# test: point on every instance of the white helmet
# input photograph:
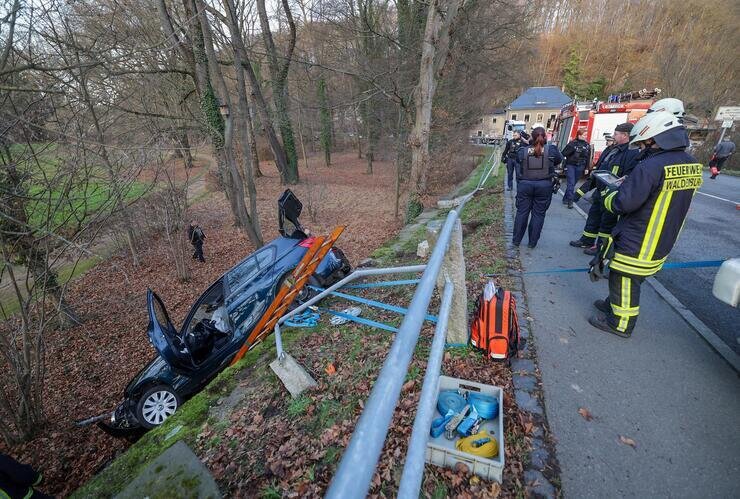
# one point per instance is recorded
(538, 125)
(669, 104)
(657, 123)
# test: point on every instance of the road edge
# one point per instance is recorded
(714, 341)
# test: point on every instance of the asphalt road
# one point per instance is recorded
(711, 232)
(661, 405)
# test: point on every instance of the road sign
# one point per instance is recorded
(727, 124)
(731, 113)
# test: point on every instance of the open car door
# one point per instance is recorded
(164, 336)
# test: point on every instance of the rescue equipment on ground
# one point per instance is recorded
(338, 320)
(463, 413)
(470, 424)
(485, 406)
(450, 400)
(495, 327)
(452, 425)
(308, 318)
(481, 444)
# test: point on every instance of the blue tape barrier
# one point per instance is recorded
(361, 320)
(374, 303)
(669, 265)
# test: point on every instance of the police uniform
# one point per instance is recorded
(534, 191)
(510, 157)
(652, 205)
(577, 154)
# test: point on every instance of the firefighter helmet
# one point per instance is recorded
(669, 104)
(663, 127)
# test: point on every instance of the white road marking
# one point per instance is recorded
(717, 197)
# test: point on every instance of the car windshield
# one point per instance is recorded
(243, 273)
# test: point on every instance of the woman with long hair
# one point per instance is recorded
(535, 177)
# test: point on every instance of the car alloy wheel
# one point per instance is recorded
(156, 405)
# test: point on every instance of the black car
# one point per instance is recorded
(216, 327)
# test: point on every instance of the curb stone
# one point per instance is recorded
(542, 466)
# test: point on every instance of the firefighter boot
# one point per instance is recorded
(602, 306)
(600, 322)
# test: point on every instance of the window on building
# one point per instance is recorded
(526, 118)
(480, 133)
(481, 120)
(513, 117)
(494, 121)
(539, 117)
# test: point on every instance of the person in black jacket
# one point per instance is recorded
(18, 480)
(196, 238)
(652, 204)
(619, 162)
(577, 154)
(509, 157)
(534, 186)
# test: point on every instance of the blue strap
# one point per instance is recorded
(669, 265)
(304, 319)
(376, 304)
(438, 425)
(382, 284)
(360, 320)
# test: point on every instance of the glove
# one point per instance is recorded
(555, 185)
(599, 264)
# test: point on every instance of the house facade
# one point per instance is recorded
(537, 105)
(490, 125)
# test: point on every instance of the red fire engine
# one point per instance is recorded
(597, 118)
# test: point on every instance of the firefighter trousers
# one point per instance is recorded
(624, 300)
(593, 222)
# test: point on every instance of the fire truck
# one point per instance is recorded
(599, 118)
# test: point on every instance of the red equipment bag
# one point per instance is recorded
(495, 327)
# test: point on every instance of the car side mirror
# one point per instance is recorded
(727, 282)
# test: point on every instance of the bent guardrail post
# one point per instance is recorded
(360, 459)
(413, 468)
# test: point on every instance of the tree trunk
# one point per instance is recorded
(440, 17)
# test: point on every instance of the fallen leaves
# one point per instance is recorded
(628, 441)
(585, 413)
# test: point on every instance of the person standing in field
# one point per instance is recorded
(196, 238)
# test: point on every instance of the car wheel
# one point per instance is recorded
(156, 405)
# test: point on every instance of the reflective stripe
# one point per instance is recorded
(638, 261)
(590, 234)
(655, 225)
(579, 191)
(615, 169)
(624, 311)
(608, 201)
(604, 234)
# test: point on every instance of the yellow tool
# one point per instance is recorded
(481, 444)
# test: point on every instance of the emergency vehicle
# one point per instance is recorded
(599, 118)
(511, 126)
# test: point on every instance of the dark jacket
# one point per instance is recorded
(618, 160)
(577, 152)
(552, 153)
(652, 203)
(195, 234)
(724, 149)
(16, 479)
(512, 148)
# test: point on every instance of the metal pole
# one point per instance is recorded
(360, 459)
(413, 468)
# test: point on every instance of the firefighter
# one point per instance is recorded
(509, 157)
(670, 105)
(18, 480)
(534, 181)
(619, 163)
(577, 155)
(652, 204)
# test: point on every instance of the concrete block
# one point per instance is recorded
(527, 402)
(422, 249)
(524, 365)
(292, 374)
(177, 472)
(539, 455)
(526, 383)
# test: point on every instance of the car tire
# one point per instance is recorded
(156, 405)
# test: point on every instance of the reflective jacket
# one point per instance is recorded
(512, 148)
(618, 160)
(652, 203)
(16, 479)
(577, 152)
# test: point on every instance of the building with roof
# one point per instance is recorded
(490, 125)
(537, 105)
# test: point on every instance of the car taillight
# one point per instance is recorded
(306, 243)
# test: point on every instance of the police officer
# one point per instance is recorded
(577, 155)
(509, 156)
(534, 181)
(619, 161)
(652, 204)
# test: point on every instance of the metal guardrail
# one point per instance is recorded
(360, 459)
